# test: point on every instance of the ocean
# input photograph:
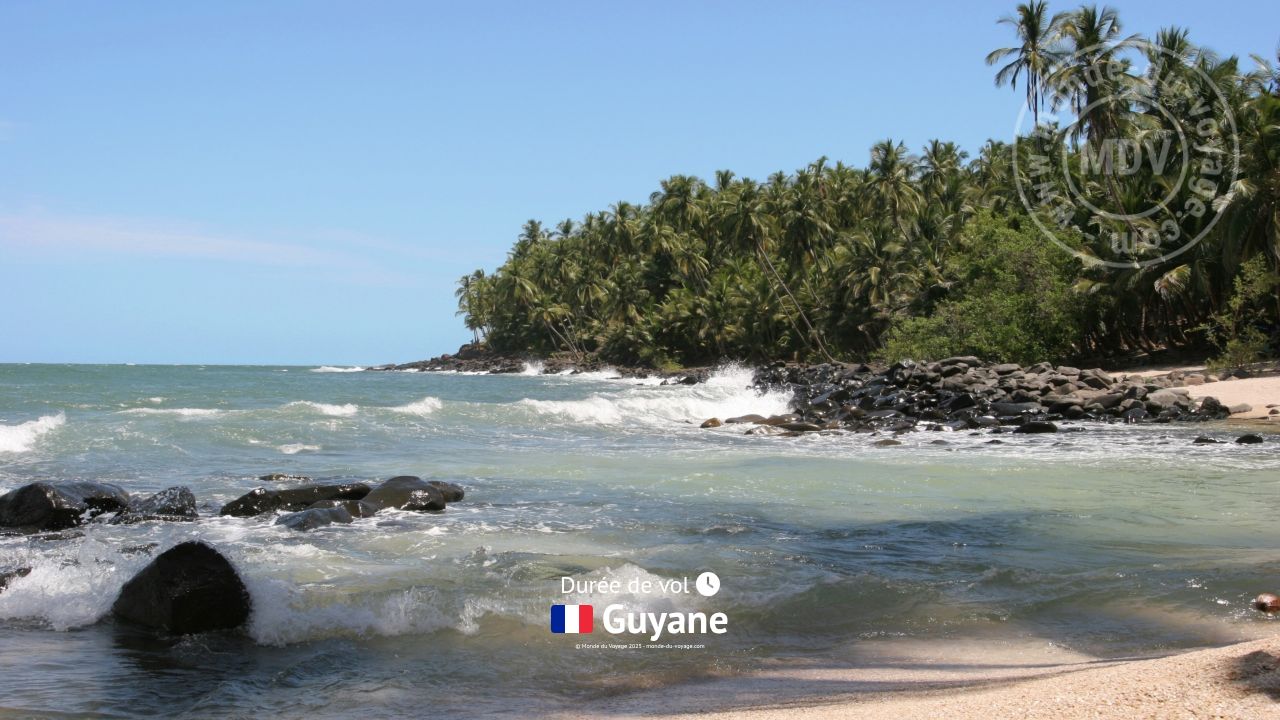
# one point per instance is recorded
(1110, 540)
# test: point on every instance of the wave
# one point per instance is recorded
(332, 369)
(728, 392)
(326, 408)
(20, 438)
(295, 448)
(423, 407)
(181, 412)
(533, 367)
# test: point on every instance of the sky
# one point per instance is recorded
(303, 182)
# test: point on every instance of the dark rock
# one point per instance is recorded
(406, 492)
(887, 442)
(1267, 602)
(1004, 408)
(175, 504)
(356, 508)
(711, 423)
(1006, 368)
(800, 426)
(316, 517)
(1036, 426)
(262, 500)
(452, 491)
(9, 574)
(1250, 439)
(189, 588)
(58, 505)
(1205, 440)
(753, 418)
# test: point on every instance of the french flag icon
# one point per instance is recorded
(571, 619)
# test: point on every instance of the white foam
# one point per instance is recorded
(422, 408)
(332, 369)
(20, 438)
(532, 368)
(295, 448)
(284, 613)
(181, 412)
(326, 408)
(728, 392)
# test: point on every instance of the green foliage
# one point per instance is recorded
(1016, 300)
(1234, 330)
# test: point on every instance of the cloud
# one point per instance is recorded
(42, 233)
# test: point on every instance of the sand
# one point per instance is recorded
(1258, 392)
(1236, 681)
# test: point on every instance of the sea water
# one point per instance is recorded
(1111, 540)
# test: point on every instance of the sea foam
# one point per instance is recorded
(21, 438)
(423, 407)
(326, 408)
(332, 369)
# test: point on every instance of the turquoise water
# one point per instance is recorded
(1112, 540)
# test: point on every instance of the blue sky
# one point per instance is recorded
(302, 182)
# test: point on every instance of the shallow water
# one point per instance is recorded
(1112, 540)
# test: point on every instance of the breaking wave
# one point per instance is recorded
(332, 369)
(326, 408)
(423, 407)
(181, 412)
(21, 438)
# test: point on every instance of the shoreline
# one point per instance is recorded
(1238, 680)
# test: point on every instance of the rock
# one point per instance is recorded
(711, 423)
(1267, 602)
(1005, 408)
(283, 477)
(800, 427)
(1204, 440)
(752, 418)
(1240, 408)
(406, 492)
(1006, 368)
(175, 504)
(58, 505)
(316, 517)
(189, 588)
(1036, 426)
(1249, 439)
(969, 360)
(452, 492)
(262, 500)
(9, 574)
(887, 442)
(356, 508)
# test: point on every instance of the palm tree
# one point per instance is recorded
(1034, 57)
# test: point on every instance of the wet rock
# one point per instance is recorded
(8, 575)
(1036, 426)
(1006, 408)
(283, 477)
(1240, 409)
(711, 423)
(1205, 440)
(189, 588)
(752, 418)
(175, 504)
(1249, 439)
(262, 500)
(57, 505)
(356, 508)
(1267, 602)
(887, 442)
(406, 492)
(315, 517)
(800, 427)
(452, 491)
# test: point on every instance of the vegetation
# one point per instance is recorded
(934, 254)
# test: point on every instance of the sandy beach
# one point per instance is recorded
(1260, 393)
(990, 682)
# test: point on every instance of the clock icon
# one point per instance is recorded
(708, 584)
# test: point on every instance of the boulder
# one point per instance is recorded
(189, 588)
(1036, 426)
(315, 517)
(262, 500)
(452, 491)
(59, 505)
(800, 426)
(406, 492)
(1018, 408)
(1240, 408)
(1267, 602)
(887, 442)
(7, 575)
(711, 423)
(356, 508)
(173, 504)
(752, 418)
(1250, 439)
(1205, 440)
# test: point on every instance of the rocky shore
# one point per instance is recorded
(476, 358)
(965, 393)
